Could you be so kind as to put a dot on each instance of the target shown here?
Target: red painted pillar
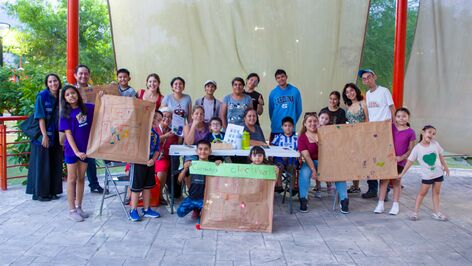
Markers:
(72, 39)
(399, 52)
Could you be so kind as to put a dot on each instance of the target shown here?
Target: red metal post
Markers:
(3, 156)
(72, 39)
(399, 52)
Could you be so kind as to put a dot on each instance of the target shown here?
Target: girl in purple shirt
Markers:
(404, 141)
(76, 121)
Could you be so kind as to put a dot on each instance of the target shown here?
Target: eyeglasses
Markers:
(309, 114)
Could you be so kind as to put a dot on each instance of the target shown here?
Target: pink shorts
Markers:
(161, 165)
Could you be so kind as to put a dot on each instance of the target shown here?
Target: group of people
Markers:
(177, 121)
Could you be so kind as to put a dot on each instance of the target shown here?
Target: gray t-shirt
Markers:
(127, 92)
(180, 107)
(212, 107)
(256, 135)
(236, 109)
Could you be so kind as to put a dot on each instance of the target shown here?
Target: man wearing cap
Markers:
(210, 104)
(380, 105)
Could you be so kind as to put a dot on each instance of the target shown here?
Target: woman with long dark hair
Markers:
(45, 165)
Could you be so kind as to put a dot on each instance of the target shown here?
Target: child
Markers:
(257, 156)
(196, 191)
(287, 139)
(143, 179)
(215, 135)
(429, 155)
(404, 141)
(76, 121)
(123, 79)
(324, 119)
(211, 105)
(341, 186)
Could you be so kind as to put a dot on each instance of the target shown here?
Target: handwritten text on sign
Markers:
(233, 170)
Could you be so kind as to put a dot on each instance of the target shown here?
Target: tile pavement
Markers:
(39, 233)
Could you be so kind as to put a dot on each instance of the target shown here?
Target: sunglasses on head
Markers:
(309, 114)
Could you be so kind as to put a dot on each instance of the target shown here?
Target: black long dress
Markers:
(45, 165)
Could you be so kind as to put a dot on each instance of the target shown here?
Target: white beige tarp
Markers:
(438, 83)
(318, 43)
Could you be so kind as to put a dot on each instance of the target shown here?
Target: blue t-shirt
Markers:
(283, 103)
(127, 92)
(79, 124)
(154, 146)
(46, 108)
(236, 109)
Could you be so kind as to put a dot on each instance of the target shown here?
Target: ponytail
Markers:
(424, 129)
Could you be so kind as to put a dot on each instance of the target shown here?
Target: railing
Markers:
(4, 149)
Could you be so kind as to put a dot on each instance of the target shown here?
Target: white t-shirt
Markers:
(378, 104)
(428, 158)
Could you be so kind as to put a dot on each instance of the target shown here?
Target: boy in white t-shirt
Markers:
(429, 155)
(380, 108)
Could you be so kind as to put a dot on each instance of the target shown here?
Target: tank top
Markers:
(354, 118)
(158, 101)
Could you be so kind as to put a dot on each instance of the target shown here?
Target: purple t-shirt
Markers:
(401, 141)
(80, 126)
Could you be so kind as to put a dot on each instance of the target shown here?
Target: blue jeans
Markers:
(189, 205)
(341, 188)
(92, 173)
(304, 179)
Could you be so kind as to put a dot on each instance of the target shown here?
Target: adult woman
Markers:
(235, 104)
(252, 81)
(337, 115)
(197, 129)
(167, 138)
(308, 147)
(45, 165)
(180, 103)
(153, 92)
(255, 131)
(356, 113)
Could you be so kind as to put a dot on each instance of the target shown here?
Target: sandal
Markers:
(439, 216)
(414, 216)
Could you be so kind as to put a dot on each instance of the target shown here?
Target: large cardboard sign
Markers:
(357, 151)
(238, 204)
(121, 129)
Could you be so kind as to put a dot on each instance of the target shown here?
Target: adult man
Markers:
(82, 75)
(284, 100)
(380, 108)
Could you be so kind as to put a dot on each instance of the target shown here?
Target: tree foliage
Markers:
(44, 36)
(380, 37)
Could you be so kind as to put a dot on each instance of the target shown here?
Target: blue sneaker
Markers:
(149, 213)
(134, 215)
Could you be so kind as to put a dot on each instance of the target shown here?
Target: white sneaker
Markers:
(74, 216)
(81, 212)
(379, 208)
(395, 209)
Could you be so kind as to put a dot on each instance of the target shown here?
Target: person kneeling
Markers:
(196, 191)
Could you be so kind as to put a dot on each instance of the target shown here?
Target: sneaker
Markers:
(75, 216)
(195, 214)
(369, 194)
(379, 208)
(395, 209)
(318, 194)
(439, 216)
(134, 215)
(345, 206)
(81, 212)
(414, 216)
(353, 189)
(97, 189)
(149, 213)
(303, 205)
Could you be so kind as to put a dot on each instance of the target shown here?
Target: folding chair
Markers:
(112, 181)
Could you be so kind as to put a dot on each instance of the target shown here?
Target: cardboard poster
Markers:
(233, 170)
(238, 204)
(89, 94)
(121, 129)
(356, 151)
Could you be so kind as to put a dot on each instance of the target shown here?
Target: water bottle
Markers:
(246, 141)
(238, 141)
